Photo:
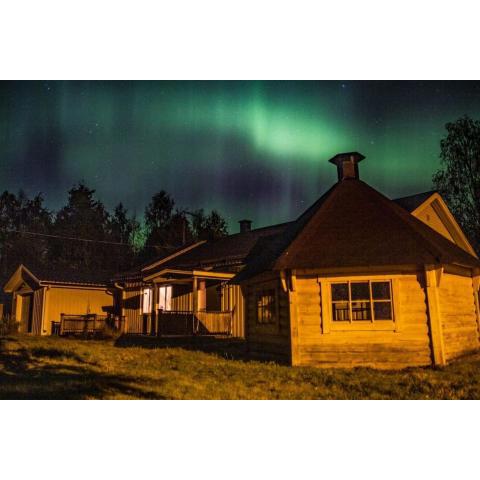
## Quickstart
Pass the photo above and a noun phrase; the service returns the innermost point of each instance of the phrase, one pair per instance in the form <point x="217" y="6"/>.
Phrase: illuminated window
<point x="165" y="298"/>
<point x="366" y="301"/>
<point x="266" y="308"/>
<point x="147" y="300"/>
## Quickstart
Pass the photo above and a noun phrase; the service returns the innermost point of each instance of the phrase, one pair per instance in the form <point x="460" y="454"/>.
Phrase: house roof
<point x="412" y="202"/>
<point x="137" y="273"/>
<point x="353" y="225"/>
<point x="229" y="250"/>
<point x="224" y="252"/>
<point x="63" y="276"/>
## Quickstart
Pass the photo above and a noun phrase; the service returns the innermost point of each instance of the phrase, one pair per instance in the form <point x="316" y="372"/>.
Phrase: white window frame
<point x="330" y="325"/>
<point x="146" y="299"/>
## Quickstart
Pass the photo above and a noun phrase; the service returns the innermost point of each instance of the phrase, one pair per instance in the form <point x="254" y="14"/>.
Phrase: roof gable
<point x="436" y="214"/>
<point x="21" y="276"/>
<point x="171" y="256"/>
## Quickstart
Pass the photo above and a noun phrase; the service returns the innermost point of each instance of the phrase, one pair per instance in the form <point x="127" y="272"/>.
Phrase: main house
<point x="357" y="279"/>
<point x="190" y="290"/>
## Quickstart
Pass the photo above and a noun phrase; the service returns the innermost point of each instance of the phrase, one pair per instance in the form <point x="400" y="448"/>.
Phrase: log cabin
<point x="361" y="280"/>
<point x="42" y="297"/>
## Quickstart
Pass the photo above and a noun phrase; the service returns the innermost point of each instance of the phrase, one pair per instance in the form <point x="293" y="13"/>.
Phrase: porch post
<point x="153" y="325"/>
<point x="194" y="302"/>
<point x="433" y="275"/>
<point x="476" y="287"/>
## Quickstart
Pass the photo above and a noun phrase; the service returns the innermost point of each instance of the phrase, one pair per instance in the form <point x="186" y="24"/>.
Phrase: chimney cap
<point x="339" y="158"/>
<point x="347" y="165"/>
<point x="245" y="225"/>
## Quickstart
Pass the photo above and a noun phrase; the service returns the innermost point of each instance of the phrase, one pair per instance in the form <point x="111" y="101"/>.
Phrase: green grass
<point x="50" y="367"/>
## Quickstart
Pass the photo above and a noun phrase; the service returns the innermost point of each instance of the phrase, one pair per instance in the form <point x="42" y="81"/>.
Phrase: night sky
<point x="249" y="149"/>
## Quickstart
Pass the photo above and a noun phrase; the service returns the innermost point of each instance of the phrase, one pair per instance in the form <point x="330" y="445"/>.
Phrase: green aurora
<point x="249" y="149"/>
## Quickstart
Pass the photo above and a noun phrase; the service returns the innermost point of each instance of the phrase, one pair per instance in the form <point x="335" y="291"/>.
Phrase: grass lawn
<point x="52" y="367"/>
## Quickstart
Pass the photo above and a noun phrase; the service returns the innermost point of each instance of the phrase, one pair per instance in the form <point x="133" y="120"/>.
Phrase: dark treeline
<point x="116" y="241"/>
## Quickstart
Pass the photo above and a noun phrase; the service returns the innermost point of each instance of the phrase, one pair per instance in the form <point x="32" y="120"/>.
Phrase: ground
<point x="62" y="368"/>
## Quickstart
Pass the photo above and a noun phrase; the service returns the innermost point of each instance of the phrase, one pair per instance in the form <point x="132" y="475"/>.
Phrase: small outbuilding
<point x="41" y="297"/>
<point x="359" y="279"/>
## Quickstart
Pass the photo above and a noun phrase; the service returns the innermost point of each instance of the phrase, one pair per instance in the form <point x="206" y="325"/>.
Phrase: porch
<point x="192" y="323"/>
<point x="187" y="303"/>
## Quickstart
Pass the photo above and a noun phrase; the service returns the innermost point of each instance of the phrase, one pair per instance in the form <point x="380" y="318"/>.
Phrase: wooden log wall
<point x="458" y="316"/>
<point x="410" y="345"/>
<point x="268" y="339"/>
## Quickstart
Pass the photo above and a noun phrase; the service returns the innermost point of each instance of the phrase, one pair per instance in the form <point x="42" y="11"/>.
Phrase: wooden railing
<point x="214" y="323"/>
<point x="189" y="323"/>
<point x="89" y="324"/>
<point x="174" y="323"/>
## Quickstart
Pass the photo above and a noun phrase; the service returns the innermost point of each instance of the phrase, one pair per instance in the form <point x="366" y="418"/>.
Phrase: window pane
<point x="382" y="310"/>
<point x="361" y="311"/>
<point x="339" y="291"/>
<point x="381" y="290"/>
<point x="341" y="312"/>
<point x="266" y="307"/>
<point x="147" y="301"/>
<point x="360" y="291"/>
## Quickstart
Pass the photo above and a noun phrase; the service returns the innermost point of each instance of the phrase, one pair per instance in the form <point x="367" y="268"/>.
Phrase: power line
<point x="105" y="242"/>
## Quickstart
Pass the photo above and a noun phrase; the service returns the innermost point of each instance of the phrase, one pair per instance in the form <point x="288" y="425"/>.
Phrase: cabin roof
<point x="353" y="225"/>
<point x="412" y="202"/>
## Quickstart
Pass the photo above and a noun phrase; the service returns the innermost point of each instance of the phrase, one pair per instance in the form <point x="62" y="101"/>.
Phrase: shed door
<point x="27" y="310"/>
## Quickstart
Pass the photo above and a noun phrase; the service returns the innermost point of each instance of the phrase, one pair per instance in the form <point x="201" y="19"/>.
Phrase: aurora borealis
<point x="249" y="149"/>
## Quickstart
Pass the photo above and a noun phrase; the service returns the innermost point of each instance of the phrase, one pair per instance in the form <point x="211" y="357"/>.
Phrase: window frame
<point x="329" y="324"/>
<point x="270" y="292"/>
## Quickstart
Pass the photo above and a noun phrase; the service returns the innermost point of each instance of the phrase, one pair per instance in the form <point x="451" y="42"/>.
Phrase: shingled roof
<point x="353" y="225"/>
<point x="64" y="276"/>
<point x="228" y="251"/>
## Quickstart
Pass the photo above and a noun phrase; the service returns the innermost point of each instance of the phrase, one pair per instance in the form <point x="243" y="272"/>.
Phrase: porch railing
<point x="190" y="323"/>
<point x="88" y="324"/>
<point x="214" y="323"/>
